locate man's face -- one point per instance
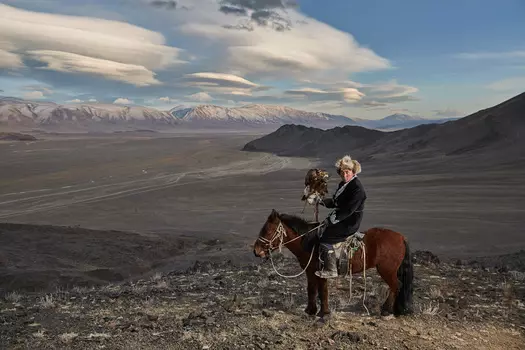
(346, 175)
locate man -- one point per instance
(348, 203)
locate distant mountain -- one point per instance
(96, 116)
(256, 115)
(399, 121)
(498, 132)
(16, 112)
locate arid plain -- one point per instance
(144, 194)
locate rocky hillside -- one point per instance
(228, 306)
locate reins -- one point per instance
(280, 234)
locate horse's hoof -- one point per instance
(310, 311)
(385, 312)
(324, 314)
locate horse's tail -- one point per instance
(405, 275)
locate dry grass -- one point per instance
(435, 293)
(13, 297)
(430, 309)
(47, 301)
(82, 290)
(40, 334)
(156, 277)
(162, 285)
(517, 275)
(67, 338)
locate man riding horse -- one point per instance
(343, 221)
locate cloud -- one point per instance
(268, 13)
(390, 90)
(164, 99)
(34, 95)
(312, 49)
(165, 4)
(9, 59)
(123, 101)
(509, 84)
(73, 63)
(44, 89)
(491, 55)
(83, 44)
(360, 95)
(374, 104)
(92, 100)
(348, 95)
(201, 97)
(106, 59)
(76, 100)
(233, 10)
(448, 112)
(218, 80)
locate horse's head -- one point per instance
(315, 185)
(271, 235)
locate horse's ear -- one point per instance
(274, 214)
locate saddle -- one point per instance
(344, 251)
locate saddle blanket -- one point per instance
(345, 250)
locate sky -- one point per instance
(364, 59)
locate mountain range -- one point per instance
(18, 113)
(496, 134)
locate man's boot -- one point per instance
(328, 261)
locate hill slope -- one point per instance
(496, 131)
(399, 121)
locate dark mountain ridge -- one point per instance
(496, 131)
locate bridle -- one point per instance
(280, 234)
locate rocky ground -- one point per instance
(226, 306)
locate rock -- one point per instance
(267, 313)
(152, 317)
(352, 337)
(425, 257)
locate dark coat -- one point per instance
(348, 207)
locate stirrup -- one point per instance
(326, 274)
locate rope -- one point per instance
(292, 276)
(280, 233)
(361, 245)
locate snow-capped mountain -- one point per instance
(16, 112)
(256, 114)
(29, 113)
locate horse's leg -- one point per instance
(389, 275)
(311, 308)
(323, 296)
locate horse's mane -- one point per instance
(296, 223)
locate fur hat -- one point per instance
(348, 163)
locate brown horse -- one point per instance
(386, 250)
